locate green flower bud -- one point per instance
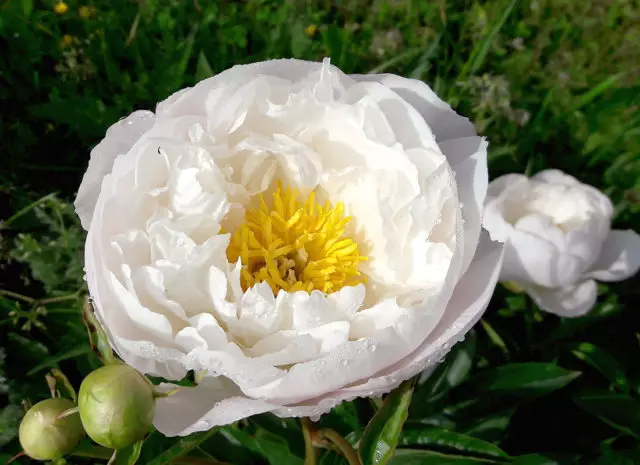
(116, 406)
(43, 436)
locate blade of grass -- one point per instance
(480, 51)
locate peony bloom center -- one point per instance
(296, 245)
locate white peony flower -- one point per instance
(558, 239)
(298, 236)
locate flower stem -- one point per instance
(347, 450)
(309, 450)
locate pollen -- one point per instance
(296, 245)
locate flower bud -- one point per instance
(45, 437)
(116, 406)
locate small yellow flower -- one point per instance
(61, 8)
(86, 12)
(66, 41)
(311, 30)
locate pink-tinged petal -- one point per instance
(119, 139)
(619, 258)
(468, 159)
(214, 402)
(444, 122)
(570, 301)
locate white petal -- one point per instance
(555, 177)
(465, 308)
(119, 139)
(619, 258)
(468, 159)
(443, 121)
(570, 301)
(535, 255)
(502, 184)
(214, 402)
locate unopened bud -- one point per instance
(44, 436)
(116, 406)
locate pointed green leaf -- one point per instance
(602, 361)
(522, 379)
(203, 68)
(128, 455)
(618, 410)
(446, 376)
(381, 435)
(444, 439)
(181, 447)
(427, 457)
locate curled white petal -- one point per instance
(619, 258)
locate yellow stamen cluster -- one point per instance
(296, 246)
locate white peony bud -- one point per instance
(558, 239)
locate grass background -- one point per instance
(551, 83)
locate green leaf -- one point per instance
(522, 379)
(602, 361)
(9, 423)
(203, 68)
(619, 457)
(495, 338)
(444, 439)
(449, 373)
(427, 457)
(300, 42)
(53, 361)
(128, 455)
(480, 51)
(27, 7)
(491, 427)
(618, 410)
(381, 435)
(596, 91)
(266, 444)
(181, 447)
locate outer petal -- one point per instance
(619, 258)
(470, 298)
(468, 158)
(535, 254)
(444, 122)
(214, 402)
(119, 139)
(556, 177)
(571, 301)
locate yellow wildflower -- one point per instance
(311, 30)
(61, 8)
(86, 12)
(66, 41)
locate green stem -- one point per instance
(62, 298)
(96, 452)
(347, 450)
(17, 296)
(309, 450)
